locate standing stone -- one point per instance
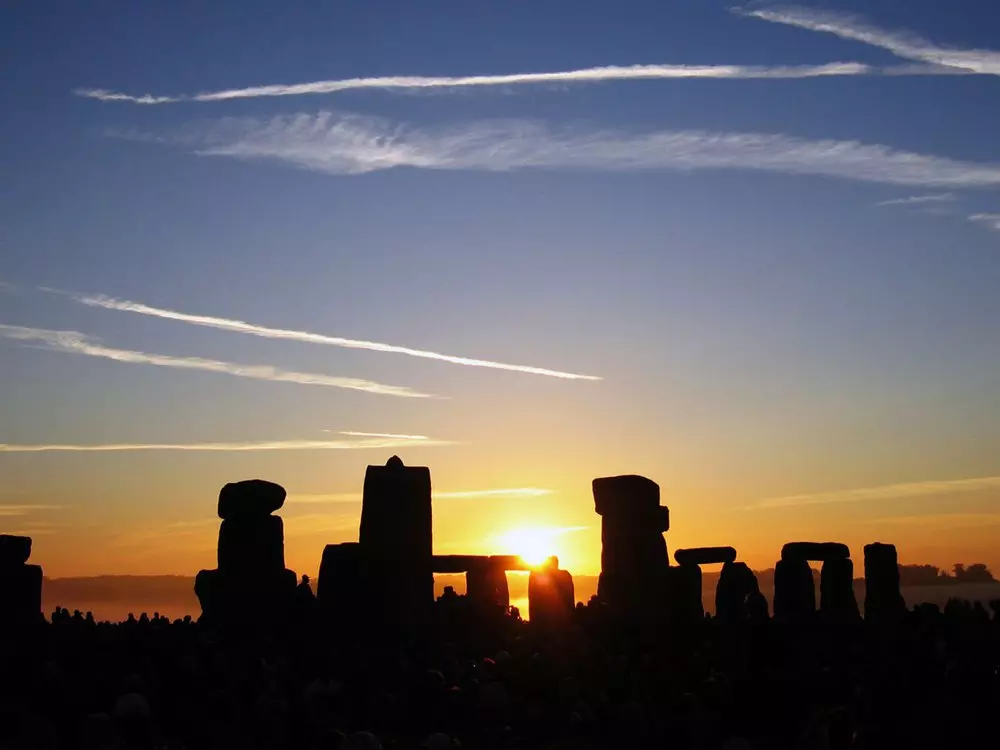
(737, 584)
(634, 562)
(836, 591)
(249, 544)
(815, 551)
(883, 601)
(550, 598)
(486, 587)
(251, 584)
(251, 497)
(396, 540)
(341, 580)
(794, 591)
(20, 584)
(685, 593)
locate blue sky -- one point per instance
(779, 252)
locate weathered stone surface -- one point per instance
(550, 598)
(251, 497)
(737, 583)
(21, 595)
(815, 551)
(14, 550)
(251, 544)
(883, 600)
(836, 598)
(794, 592)
(705, 555)
(396, 539)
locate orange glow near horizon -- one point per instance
(533, 544)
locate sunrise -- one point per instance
(499, 374)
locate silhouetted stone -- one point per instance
(231, 598)
(634, 560)
(837, 601)
(251, 497)
(705, 555)
(396, 540)
(815, 551)
(794, 592)
(20, 584)
(250, 544)
(550, 598)
(14, 550)
(685, 593)
(486, 586)
(341, 577)
(463, 563)
(883, 600)
(736, 584)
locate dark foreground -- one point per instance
(933, 681)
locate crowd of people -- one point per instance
(331, 681)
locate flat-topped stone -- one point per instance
(626, 495)
(705, 555)
(251, 497)
(14, 550)
(815, 551)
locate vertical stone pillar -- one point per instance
(20, 584)
(737, 584)
(883, 601)
(836, 591)
(794, 592)
(634, 563)
(396, 540)
(550, 598)
(486, 586)
(251, 584)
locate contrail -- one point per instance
(240, 326)
(73, 341)
(903, 44)
(417, 83)
(346, 144)
(275, 445)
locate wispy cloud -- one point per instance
(914, 200)
(239, 326)
(353, 497)
(942, 520)
(990, 221)
(345, 144)
(904, 44)
(884, 492)
(7, 511)
(424, 83)
(274, 445)
(78, 343)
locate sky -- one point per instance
(751, 252)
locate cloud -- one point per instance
(919, 199)
(7, 511)
(990, 221)
(345, 144)
(274, 445)
(78, 343)
(239, 326)
(943, 520)
(884, 492)
(424, 83)
(904, 44)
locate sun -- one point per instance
(534, 545)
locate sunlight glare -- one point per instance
(533, 545)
